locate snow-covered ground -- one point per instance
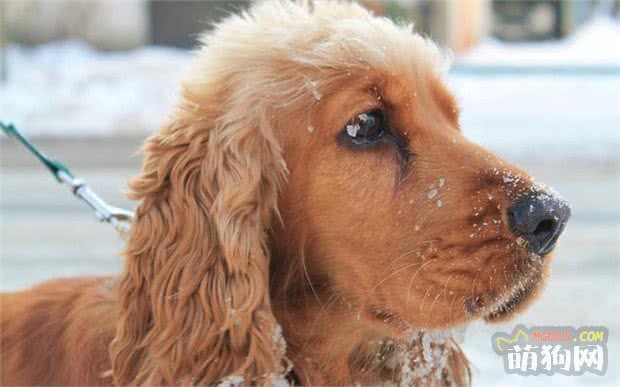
(594, 44)
(541, 116)
(69, 89)
(556, 99)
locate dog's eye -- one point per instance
(365, 129)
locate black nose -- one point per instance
(539, 219)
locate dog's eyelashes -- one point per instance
(366, 128)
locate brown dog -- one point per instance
(313, 177)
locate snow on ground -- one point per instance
(542, 117)
(595, 44)
(69, 89)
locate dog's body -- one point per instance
(313, 178)
(57, 333)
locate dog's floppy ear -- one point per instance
(194, 299)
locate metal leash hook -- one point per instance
(117, 217)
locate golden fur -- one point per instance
(253, 216)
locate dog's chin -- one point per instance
(526, 286)
(513, 305)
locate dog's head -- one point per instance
(319, 147)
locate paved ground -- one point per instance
(45, 233)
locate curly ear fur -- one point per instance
(194, 299)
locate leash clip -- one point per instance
(119, 218)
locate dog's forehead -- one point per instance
(386, 62)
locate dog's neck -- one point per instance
(329, 345)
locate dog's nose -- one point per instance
(539, 219)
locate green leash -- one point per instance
(118, 217)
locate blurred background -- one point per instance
(538, 82)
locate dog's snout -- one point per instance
(539, 219)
